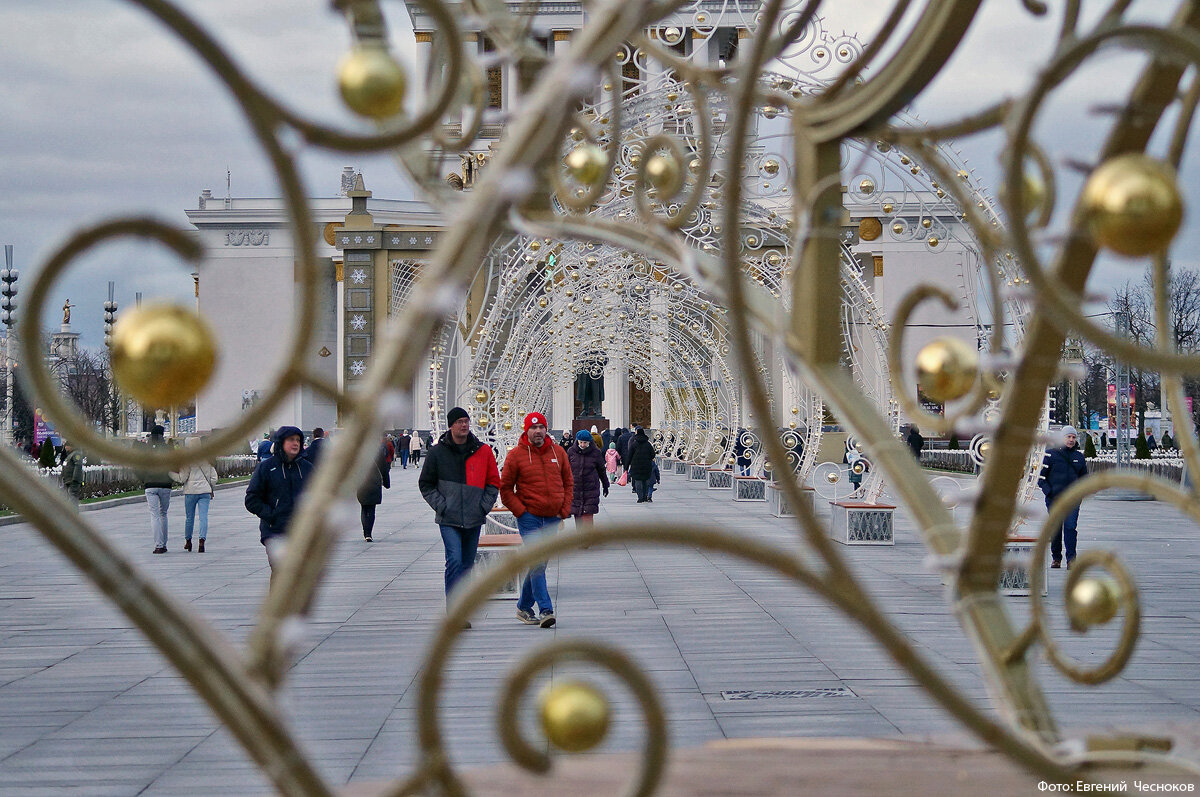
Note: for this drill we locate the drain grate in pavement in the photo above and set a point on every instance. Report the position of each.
(786, 694)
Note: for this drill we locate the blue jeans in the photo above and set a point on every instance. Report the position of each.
(403, 458)
(461, 545)
(642, 488)
(1069, 533)
(533, 528)
(192, 503)
(158, 499)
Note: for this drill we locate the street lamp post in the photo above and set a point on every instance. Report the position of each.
(1121, 320)
(8, 311)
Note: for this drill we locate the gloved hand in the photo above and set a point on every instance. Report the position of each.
(606, 492)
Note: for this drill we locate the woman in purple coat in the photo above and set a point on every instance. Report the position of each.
(587, 467)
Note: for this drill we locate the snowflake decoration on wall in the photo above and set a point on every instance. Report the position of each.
(358, 276)
(357, 368)
(358, 322)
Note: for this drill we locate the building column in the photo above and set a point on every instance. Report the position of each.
(616, 391)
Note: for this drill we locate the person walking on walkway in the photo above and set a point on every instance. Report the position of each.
(641, 465)
(915, 441)
(414, 447)
(537, 487)
(72, 472)
(275, 489)
(587, 472)
(158, 485)
(264, 447)
(1062, 467)
(460, 481)
(404, 448)
(317, 447)
(612, 461)
(199, 486)
(370, 492)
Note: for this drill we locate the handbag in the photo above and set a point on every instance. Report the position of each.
(624, 480)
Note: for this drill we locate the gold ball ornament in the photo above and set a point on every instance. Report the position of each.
(1133, 205)
(371, 82)
(574, 716)
(947, 368)
(586, 163)
(663, 172)
(1093, 601)
(481, 397)
(162, 354)
(833, 477)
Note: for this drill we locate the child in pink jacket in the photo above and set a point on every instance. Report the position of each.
(612, 461)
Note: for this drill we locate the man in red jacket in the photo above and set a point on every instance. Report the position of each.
(537, 487)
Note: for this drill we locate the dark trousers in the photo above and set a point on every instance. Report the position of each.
(368, 518)
(1068, 533)
(642, 488)
(461, 545)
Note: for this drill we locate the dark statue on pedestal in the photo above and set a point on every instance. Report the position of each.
(589, 392)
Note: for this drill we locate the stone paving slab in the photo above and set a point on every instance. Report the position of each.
(87, 707)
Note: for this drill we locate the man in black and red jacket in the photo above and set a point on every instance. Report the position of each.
(460, 481)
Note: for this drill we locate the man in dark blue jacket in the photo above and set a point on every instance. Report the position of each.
(1061, 468)
(276, 485)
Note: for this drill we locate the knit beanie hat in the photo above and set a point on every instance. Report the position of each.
(583, 434)
(454, 414)
(1066, 430)
(535, 417)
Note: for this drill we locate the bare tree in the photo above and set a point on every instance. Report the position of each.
(87, 383)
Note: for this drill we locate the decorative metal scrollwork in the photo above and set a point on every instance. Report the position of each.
(682, 223)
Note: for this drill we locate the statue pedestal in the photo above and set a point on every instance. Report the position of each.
(586, 424)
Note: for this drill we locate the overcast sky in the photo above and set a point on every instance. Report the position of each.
(105, 113)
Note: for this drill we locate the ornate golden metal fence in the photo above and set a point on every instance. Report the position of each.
(556, 165)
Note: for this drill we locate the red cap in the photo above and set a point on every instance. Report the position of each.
(535, 417)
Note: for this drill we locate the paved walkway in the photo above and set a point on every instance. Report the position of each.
(86, 707)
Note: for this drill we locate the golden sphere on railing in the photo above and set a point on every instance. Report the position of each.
(586, 163)
(574, 716)
(481, 397)
(483, 419)
(947, 368)
(1133, 205)
(1093, 601)
(162, 354)
(505, 408)
(833, 477)
(866, 186)
(507, 426)
(663, 172)
(371, 82)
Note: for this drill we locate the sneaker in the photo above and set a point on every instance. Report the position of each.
(187, 545)
(200, 549)
(159, 550)
(367, 538)
(467, 625)
(1069, 563)
(526, 617)
(1057, 563)
(546, 620)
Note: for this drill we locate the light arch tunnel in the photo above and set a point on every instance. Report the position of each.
(556, 310)
(546, 310)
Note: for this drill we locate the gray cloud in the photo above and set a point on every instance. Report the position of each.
(107, 113)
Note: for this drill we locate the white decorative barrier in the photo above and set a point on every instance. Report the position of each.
(698, 473)
(492, 547)
(1018, 559)
(720, 479)
(748, 488)
(500, 521)
(780, 506)
(681, 467)
(857, 523)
